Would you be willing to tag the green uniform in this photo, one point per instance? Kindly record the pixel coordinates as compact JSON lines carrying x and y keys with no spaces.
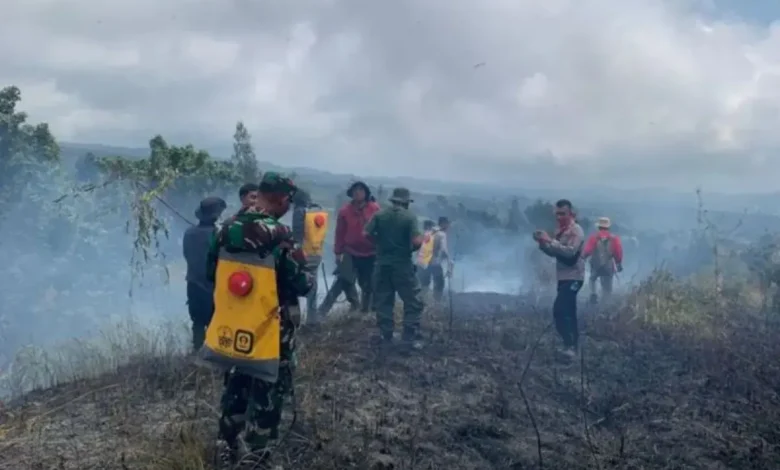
{"x":393,"y":230}
{"x":249,"y":402}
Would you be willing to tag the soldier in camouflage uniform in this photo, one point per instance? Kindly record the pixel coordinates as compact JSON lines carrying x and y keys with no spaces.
{"x":248,"y":403}
{"x":396,"y":232}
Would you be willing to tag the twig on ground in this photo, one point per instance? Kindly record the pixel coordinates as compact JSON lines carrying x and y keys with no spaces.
{"x":535,"y":426}
{"x":584,"y":407}
{"x":525,"y":399}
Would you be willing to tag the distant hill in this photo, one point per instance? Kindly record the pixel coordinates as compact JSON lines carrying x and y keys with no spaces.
{"x":72,"y":151}
{"x":648,"y":200}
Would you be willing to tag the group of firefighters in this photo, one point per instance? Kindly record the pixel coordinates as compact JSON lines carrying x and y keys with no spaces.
{"x":245,"y":276}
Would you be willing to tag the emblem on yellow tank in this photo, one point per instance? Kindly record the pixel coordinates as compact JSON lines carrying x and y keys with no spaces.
{"x":225,"y":337}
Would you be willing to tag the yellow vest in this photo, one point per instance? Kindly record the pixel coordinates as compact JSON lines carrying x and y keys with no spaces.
{"x":314,"y":231}
{"x":425,"y":254}
{"x":245,"y":331}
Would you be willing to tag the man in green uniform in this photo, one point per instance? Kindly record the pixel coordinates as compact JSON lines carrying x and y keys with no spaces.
{"x":396,"y":232}
{"x":249,"y":403}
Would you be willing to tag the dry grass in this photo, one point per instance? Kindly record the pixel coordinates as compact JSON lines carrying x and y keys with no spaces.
{"x":649,"y":393}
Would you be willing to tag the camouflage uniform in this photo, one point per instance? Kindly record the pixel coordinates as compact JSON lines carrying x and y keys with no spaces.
{"x":249,"y":402}
{"x":396,"y":233}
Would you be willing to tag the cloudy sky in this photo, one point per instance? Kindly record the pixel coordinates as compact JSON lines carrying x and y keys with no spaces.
{"x":596,"y":92}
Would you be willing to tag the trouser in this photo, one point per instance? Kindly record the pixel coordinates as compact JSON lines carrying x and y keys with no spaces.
{"x":435,"y":273}
{"x":605,"y":279}
{"x":565,"y":312}
{"x":339,"y":285}
{"x":253,"y":405}
{"x":400,"y":279}
{"x":200,"y":303}
{"x":311,"y":297}
{"x":363,"y":270}
{"x":425,"y":277}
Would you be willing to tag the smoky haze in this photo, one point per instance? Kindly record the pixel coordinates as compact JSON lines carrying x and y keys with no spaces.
{"x":69,"y":271}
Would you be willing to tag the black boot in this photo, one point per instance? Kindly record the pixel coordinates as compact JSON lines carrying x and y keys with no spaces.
{"x":226,"y":456}
{"x":412,"y":338}
{"x":383,"y":339}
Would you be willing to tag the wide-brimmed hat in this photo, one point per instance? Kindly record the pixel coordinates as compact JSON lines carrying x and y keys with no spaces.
{"x":359,"y":184}
{"x":210,"y":208}
{"x":401,"y":196}
{"x":603,"y":222}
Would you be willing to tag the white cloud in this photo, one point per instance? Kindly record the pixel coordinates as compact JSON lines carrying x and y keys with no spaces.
{"x":606,"y":92}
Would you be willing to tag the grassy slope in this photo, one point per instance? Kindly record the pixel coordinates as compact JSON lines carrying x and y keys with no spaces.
{"x":641,"y":398}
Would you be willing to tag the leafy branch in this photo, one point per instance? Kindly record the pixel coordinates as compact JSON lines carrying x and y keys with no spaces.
{"x":169,"y":173}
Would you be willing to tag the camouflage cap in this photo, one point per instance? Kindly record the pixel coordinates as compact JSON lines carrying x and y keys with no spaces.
{"x":273,"y":182}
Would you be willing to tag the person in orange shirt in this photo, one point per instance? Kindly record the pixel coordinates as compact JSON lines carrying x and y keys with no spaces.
{"x":606,"y":258}
{"x":355,"y":253}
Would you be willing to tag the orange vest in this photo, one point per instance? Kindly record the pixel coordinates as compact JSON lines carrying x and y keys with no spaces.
{"x":425,"y":254}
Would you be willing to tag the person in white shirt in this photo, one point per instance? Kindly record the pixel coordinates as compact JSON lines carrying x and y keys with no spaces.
{"x":441,"y":263}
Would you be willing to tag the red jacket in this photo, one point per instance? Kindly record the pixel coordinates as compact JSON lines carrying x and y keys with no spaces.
{"x":349,"y":230}
{"x":615,"y":246}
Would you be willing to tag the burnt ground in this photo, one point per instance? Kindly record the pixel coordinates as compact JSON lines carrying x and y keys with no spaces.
{"x":489,"y":393}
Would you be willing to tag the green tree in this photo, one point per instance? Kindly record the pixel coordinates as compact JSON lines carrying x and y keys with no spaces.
{"x":27,"y":151}
{"x":244,"y":157}
{"x":172,"y":173}
{"x":29,"y":156}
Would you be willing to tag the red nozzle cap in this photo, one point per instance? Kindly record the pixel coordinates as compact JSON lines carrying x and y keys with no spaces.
{"x":240,"y":283}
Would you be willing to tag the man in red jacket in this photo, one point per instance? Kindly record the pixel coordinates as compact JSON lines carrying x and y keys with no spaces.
{"x":355,"y":254}
{"x":606,"y":258}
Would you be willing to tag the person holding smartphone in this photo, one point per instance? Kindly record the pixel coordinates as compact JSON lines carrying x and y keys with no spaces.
{"x":566,"y":247}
